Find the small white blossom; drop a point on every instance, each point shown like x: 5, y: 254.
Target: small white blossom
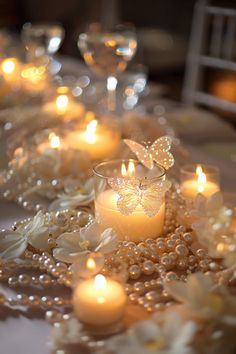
x: 166, y: 335
x: 79, y: 197
x: 14, y: 243
x: 71, y: 246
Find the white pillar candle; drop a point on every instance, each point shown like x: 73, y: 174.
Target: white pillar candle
x: 98, y: 140
x: 199, y: 183
x: 134, y: 227
x: 189, y: 188
x: 99, y: 301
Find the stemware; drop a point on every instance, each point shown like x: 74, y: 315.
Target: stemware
x: 42, y: 41
x: 107, y: 53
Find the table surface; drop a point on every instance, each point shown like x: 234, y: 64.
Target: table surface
x: 27, y: 332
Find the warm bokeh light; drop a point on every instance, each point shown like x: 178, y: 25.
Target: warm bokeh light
x: 54, y: 141
x: 91, y: 131
x: 8, y: 65
x: 62, y: 102
x: 91, y: 264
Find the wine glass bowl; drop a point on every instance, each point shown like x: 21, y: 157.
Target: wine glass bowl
x: 42, y: 39
x: 107, y: 53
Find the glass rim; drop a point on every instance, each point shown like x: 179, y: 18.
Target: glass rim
x: 50, y: 24
x: 104, y: 163
x: 190, y: 169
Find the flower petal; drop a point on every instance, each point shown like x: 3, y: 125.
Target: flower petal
x: 12, y: 245
x: 69, y: 241
x: 91, y: 233
x: 177, y: 289
x: 109, y: 241
x: 64, y: 255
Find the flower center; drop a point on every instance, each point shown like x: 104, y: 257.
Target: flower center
x: 215, y: 303
x: 84, y: 245
x: 155, y: 345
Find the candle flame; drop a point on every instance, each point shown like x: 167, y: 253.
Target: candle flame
x: 201, y: 179
x: 129, y: 172
x: 91, y: 131
x: 62, y: 103
x: 8, y: 66
x: 91, y: 264
x: 100, y: 282
x: 54, y: 141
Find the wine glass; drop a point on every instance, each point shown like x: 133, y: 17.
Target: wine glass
x: 107, y: 53
x: 42, y: 41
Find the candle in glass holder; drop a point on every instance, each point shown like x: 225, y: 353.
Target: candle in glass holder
x: 136, y: 226
x: 51, y: 145
x: 195, y: 180
x: 99, y: 301
x: 64, y: 105
x: 97, y: 139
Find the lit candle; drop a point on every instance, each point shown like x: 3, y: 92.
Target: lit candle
x: 197, y: 182
x: 134, y: 227
x: 99, y: 301
x: 49, y: 147
x: 64, y: 105
x: 98, y: 140
x: 10, y: 70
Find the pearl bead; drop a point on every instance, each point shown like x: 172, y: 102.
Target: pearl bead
x: 201, y: 253
x: 23, y: 299
x: 133, y: 297
x: 148, y: 267
x: 46, y: 301
x: 134, y: 271
x: 187, y: 237
x: 58, y: 301
x: 171, y: 276
x: 24, y: 279
x: 12, y: 282
x: 128, y: 288
x: 139, y: 287
x: 181, y: 250
x: 53, y: 316
x: 34, y: 300
x: 45, y: 279
x: 170, y: 245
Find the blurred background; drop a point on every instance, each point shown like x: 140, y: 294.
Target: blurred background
x: 163, y: 32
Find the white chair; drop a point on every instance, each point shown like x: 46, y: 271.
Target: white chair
x: 212, y: 45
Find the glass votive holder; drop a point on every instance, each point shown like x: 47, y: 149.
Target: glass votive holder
x: 196, y: 178
x: 126, y: 206
x: 63, y: 104
x: 100, y: 138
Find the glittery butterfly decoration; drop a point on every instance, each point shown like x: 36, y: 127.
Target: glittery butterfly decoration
x: 157, y: 152
x: 135, y: 192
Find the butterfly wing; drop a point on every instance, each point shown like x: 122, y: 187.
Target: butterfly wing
x: 141, y: 152
x: 128, y: 194
x: 160, y: 152
x: 152, y: 196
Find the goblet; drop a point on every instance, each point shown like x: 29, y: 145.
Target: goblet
x: 42, y: 41
x: 107, y: 53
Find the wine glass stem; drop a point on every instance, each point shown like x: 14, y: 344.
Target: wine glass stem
x: 111, y: 93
